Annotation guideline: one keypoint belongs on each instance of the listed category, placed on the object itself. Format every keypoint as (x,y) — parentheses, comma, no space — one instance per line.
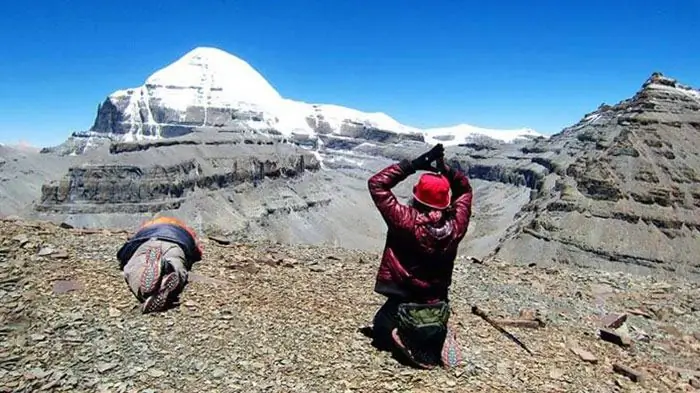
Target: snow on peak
(207,77)
(660,82)
(199,87)
(451,136)
(336,114)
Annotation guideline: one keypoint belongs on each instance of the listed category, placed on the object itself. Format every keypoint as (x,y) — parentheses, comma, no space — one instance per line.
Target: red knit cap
(433,190)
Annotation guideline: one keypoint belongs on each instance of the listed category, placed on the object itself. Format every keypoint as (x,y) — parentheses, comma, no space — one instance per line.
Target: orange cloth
(173,221)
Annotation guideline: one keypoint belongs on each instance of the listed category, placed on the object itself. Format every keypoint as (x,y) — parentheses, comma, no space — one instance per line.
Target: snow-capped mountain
(210,88)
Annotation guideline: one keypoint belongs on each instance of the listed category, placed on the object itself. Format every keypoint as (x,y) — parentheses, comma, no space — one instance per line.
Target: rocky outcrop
(22,173)
(174,170)
(623,186)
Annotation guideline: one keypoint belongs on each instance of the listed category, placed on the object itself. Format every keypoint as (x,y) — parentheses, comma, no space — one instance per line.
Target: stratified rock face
(159,175)
(624,187)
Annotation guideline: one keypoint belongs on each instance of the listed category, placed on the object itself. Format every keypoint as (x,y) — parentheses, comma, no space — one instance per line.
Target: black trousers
(385,320)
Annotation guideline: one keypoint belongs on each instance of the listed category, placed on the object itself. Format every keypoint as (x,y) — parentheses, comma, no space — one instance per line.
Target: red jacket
(420,248)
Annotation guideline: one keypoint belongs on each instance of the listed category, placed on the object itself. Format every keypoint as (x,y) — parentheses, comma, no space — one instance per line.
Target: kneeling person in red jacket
(416,268)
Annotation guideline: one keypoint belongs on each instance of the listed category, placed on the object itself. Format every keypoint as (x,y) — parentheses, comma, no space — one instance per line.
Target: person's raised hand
(424,161)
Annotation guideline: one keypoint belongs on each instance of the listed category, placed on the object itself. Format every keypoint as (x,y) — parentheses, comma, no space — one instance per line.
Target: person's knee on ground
(383,324)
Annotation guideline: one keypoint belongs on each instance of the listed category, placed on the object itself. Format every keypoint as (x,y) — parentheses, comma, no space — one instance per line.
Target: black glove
(424,161)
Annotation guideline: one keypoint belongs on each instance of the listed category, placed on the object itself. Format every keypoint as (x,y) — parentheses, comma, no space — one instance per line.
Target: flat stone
(221,240)
(156,373)
(583,354)
(522,323)
(629,372)
(38,337)
(640,312)
(614,321)
(60,255)
(103,367)
(63,286)
(21,239)
(528,313)
(614,337)
(45,251)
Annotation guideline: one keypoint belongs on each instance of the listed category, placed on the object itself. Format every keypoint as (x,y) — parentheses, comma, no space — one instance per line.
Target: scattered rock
(639,312)
(218,373)
(45,251)
(198,278)
(317,269)
(63,286)
(614,321)
(21,239)
(103,367)
(583,354)
(528,313)
(521,323)
(65,225)
(661,313)
(556,373)
(156,373)
(60,255)
(632,374)
(614,337)
(38,337)
(694,382)
(246,334)
(221,240)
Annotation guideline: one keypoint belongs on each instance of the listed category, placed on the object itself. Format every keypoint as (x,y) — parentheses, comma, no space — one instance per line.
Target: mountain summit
(208,87)
(210,77)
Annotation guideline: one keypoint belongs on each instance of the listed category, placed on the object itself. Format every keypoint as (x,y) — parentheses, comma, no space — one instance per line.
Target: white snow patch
(335,115)
(353,161)
(450,136)
(591,118)
(678,88)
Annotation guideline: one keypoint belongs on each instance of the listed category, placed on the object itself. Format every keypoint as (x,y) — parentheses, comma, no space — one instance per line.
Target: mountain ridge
(208,87)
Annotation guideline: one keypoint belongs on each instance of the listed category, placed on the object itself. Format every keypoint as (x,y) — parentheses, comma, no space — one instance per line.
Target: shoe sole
(152,271)
(158,301)
(451,354)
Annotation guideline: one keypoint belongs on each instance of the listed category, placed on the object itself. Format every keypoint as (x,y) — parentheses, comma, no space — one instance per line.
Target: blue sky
(498,64)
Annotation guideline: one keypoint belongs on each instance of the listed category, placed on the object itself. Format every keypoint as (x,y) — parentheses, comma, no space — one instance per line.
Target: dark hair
(413,202)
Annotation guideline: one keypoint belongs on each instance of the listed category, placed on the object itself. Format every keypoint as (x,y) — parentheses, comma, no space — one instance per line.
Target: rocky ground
(275,318)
